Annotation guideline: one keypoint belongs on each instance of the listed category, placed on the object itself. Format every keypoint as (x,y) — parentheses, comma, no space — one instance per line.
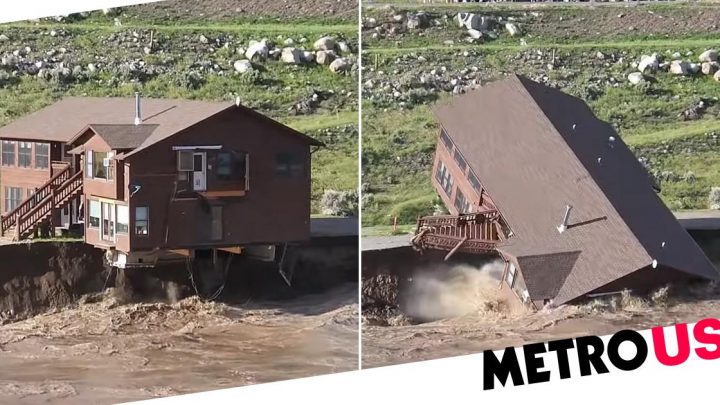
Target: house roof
(123,136)
(535,150)
(65,119)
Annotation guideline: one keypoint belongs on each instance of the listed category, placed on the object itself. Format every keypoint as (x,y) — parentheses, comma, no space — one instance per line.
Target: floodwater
(475,318)
(104,352)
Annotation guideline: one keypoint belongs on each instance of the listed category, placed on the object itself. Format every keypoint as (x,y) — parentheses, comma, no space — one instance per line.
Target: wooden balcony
(477,233)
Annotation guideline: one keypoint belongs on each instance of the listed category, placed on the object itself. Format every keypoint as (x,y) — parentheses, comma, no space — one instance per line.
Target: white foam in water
(448,291)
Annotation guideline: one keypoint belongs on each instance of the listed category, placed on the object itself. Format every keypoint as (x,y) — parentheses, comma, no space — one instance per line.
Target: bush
(339,203)
(714,198)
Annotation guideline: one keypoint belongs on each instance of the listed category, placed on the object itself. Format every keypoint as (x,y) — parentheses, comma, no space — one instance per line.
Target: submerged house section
(529,174)
(161,179)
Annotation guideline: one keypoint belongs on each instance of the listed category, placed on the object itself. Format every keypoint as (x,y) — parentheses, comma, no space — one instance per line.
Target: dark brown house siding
(275,209)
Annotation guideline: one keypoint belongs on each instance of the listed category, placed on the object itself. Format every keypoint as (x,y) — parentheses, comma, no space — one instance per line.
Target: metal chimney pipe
(138,118)
(563,226)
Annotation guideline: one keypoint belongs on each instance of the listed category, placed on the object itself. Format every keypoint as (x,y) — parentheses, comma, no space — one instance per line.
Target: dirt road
(104,352)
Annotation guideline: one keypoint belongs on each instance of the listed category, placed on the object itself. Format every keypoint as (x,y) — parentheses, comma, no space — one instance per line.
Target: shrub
(714,198)
(339,203)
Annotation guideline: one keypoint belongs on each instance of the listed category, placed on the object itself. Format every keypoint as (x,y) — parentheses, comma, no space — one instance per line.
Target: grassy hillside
(406,71)
(160,55)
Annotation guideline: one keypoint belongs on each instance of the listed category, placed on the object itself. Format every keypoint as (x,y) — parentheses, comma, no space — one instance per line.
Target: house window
(13,198)
(8,153)
(475,182)
(185,161)
(231,166)
(101,165)
(25,154)
(446,140)
(460,161)
(108,221)
(94,214)
(444,178)
(142,221)
(461,203)
(288,164)
(42,155)
(216,228)
(89,164)
(510,277)
(123,219)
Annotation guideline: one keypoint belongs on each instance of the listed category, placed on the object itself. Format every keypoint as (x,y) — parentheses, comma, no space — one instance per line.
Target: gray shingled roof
(536,150)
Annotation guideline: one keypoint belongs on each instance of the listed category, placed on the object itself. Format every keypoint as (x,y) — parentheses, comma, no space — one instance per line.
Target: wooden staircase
(56,193)
(477,233)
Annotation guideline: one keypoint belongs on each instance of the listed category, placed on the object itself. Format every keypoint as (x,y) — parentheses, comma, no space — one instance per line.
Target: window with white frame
(42,155)
(510,277)
(94,214)
(13,198)
(8,153)
(108,221)
(25,154)
(123,219)
(142,221)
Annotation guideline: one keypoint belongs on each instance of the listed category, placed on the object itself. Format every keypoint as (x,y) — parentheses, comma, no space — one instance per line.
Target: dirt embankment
(38,276)
(214,10)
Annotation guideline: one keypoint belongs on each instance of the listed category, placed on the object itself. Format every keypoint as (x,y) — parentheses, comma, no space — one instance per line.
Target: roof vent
(237,101)
(138,117)
(563,226)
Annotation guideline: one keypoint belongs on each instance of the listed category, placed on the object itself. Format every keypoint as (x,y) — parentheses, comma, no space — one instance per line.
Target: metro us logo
(588,350)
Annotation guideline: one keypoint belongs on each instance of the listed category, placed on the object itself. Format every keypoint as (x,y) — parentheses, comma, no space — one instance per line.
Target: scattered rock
(475,34)
(709,68)
(716,76)
(636,78)
(679,67)
(648,63)
(474,22)
(512,29)
(243,66)
(257,51)
(417,21)
(324,44)
(340,65)
(4,38)
(344,47)
(291,56)
(308,56)
(711,55)
(325,57)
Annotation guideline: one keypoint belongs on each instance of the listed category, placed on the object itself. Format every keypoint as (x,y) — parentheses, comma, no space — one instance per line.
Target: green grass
(178,51)
(387,230)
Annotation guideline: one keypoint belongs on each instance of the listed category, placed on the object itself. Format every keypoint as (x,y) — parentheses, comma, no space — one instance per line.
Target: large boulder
(474,21)
(308,56)
(340,65)
(711,55)
(243,66)
(417,21)
(324,44)
(291,56)
(636,78)
(257,51)
(679,67)
(709,68)
(512,29)
(648,63)
(325,57)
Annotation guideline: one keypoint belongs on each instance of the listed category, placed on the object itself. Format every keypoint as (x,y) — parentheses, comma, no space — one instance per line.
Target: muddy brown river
(99,351)
(483,322)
